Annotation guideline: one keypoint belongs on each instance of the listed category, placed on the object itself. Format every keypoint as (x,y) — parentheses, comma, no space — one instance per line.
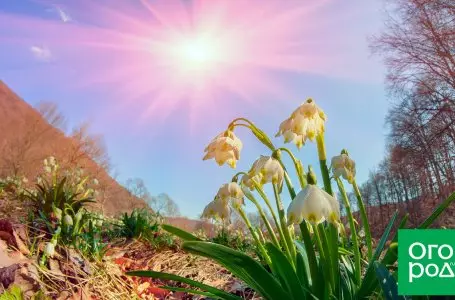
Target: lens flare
(158,55)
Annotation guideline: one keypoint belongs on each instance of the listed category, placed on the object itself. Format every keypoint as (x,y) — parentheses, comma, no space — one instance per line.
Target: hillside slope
(26,139)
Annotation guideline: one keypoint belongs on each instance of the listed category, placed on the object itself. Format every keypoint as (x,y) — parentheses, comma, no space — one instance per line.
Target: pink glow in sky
(162,53)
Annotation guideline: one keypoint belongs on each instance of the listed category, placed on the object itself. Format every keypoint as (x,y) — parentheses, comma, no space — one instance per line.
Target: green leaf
(190,291)
(388,284)
(285,272)
(242,266)
(166,276)
(368,282)
(184,235)
(437,212)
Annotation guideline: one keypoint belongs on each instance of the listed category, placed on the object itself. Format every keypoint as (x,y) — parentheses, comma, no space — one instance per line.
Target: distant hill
(27,138)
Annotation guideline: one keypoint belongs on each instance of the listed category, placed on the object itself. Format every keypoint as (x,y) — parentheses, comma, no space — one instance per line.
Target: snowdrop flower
(57,213)
(314,205)
(343,165)
(267,169)
(47,169)
(224,148)
(248,181)
(67,220)
(306,122)
(230,192)
(49,250)
(216,209)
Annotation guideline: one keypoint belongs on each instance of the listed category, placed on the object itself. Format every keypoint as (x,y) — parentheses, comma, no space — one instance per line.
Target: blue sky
(47,51)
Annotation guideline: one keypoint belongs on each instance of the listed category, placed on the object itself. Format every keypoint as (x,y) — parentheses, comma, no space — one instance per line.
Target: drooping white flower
(343,165)
(224,148)
(67,220)
(267,169)
(216,209)
(49,249)
(306,122)
(314,205)
(57,213)
(230,192)
(248,181)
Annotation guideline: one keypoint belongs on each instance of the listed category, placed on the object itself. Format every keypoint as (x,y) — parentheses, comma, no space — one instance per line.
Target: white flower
(47,169)
(230,192)
(51,160)
(57,213)
(248,181)
(67,220)
(224,148)
(314,205)
(49,250)
(216,209)
(99,222)
(343,165)
(267,169)
(95,181)
(306,122)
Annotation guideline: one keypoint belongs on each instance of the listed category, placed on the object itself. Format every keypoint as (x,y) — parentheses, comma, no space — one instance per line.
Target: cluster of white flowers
(228,194)
(306,122)
(224,148)
(265,169)
(50,165)
(313,204)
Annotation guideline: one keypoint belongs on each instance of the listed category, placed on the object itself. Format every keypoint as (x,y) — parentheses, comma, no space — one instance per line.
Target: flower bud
(67,220)
(49,249)
(78,216)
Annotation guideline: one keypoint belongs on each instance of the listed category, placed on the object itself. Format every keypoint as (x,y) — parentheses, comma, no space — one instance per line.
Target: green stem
(355,242)
(323,255)
(364,217)
(264,218)
(284,226)
(297,165)
(328,254)
(277,224)
(312,261)
(255,236)
(323,163)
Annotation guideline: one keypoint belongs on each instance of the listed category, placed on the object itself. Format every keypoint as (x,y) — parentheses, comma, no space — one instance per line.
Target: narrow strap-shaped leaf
(388,284)
(437,212)
(369,278)
(242,266)
(302,270)
(166,276)
(285,272)
(391,254)
(190,291)
(184,235)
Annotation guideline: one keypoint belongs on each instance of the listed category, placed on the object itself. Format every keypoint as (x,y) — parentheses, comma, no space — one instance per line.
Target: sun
(197,54)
